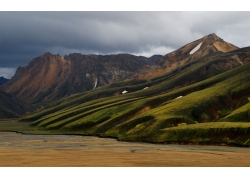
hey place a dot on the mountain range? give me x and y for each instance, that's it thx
(198, 93)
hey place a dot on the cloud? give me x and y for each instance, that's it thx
(26, 35)
(158, 50)
(7, 72)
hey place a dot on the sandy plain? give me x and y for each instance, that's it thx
(18, 150)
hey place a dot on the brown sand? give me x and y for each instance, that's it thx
(25, 157)
(17, 150)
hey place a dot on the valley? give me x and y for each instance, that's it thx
(198, 94)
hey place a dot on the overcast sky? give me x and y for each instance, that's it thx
(26, 35)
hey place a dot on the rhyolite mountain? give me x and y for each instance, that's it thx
(190, 52)
(12, 107)
(51, 77)
(3, 80)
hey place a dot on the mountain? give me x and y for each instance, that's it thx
(204, 101)
(3, 80)
(188, 53)
(51, 77)
(196, 49)
(11, 107)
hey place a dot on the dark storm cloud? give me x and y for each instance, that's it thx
(26, 35)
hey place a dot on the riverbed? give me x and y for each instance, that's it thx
(22, 150)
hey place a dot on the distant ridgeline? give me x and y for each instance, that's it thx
(3, 80)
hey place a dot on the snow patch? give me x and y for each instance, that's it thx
(195, 49)
(124, 92)
(145, 88)
(178, 97)
(95, 83)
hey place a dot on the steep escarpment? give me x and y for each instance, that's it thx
(51, 77)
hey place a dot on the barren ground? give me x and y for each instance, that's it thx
(30, 150)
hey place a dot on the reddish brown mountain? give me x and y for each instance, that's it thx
(190, 52)
(52, 76)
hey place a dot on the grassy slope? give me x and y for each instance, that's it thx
(207, 105)
(214, 133)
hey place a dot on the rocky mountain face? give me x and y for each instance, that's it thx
(52, 76)
(12, 107)
(3, 80)
(188, 53)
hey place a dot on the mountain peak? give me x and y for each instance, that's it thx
(213, 37)
(201, 47)
(47, 54)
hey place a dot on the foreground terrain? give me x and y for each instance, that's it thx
(62, 150)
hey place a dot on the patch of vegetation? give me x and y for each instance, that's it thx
(182, 124)
(215, 132)
(24, 127)
(132, 150)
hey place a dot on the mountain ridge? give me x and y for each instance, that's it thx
(54, 76)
